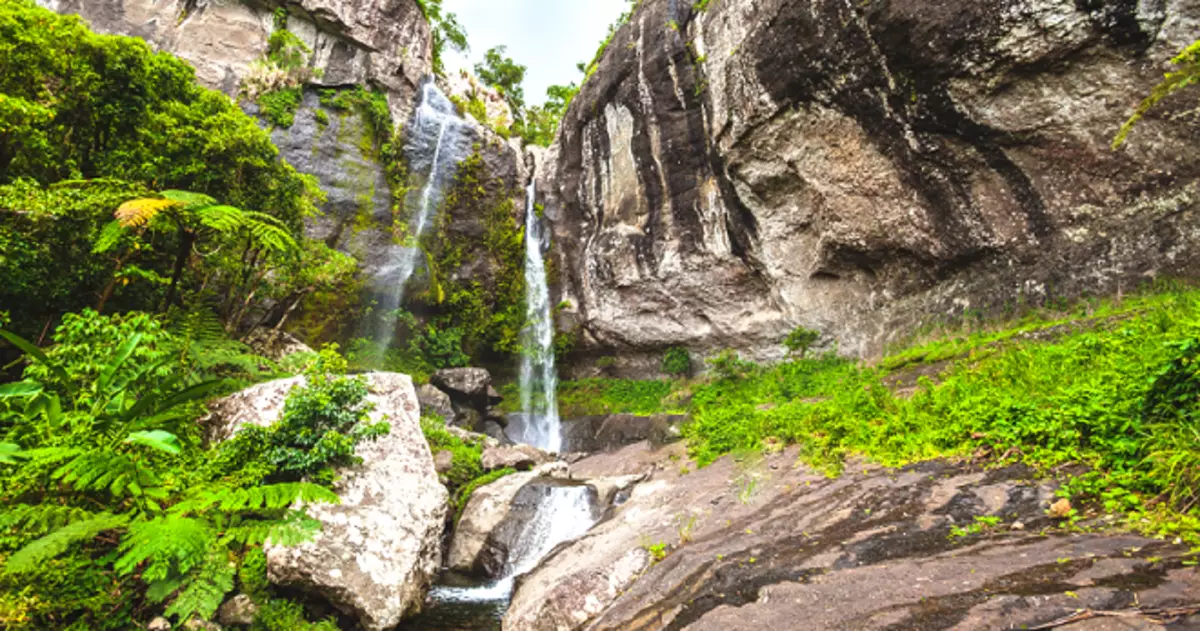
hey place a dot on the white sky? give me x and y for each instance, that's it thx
(548, 36)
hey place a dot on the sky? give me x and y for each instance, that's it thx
(548, 36)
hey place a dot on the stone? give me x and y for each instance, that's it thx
(611, 432)
(201, 625)
(159, 624)
(238, 611)
(770, 164)
(435, 402)
(275, 345)
(443, 461)
(802, 546)
(1061, 509)
(520, 457)
(463, 383)
(380, 548)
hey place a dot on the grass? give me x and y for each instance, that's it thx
(1115, 394)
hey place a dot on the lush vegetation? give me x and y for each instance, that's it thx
(115, 509)
(447, 32)
(1186, 74)
(1110, 386)
(211, 218)
(466, 470)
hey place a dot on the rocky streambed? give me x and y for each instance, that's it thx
(641, 538)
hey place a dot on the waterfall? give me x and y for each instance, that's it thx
(564, 513)
(539, 381)
(436, 135)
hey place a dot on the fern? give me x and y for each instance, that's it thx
(295, 528)
(108, 472)
(205, 589)
(109, 237)
(169, 544)
(32, 556)
(41, 518)
(269, 497)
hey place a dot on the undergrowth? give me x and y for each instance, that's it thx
(1114, 390)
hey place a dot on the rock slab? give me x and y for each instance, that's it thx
(379, 549)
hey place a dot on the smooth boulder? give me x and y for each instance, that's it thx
(379, 549)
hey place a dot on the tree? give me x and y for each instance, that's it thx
(447, 32)
(505, 75)
(196, 218)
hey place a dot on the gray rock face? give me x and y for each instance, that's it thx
(471, 395)
(611, 432)
(380, 547)
(763, 546)
(727, 175)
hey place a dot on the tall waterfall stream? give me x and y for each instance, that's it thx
(563, 512)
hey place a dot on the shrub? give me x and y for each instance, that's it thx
(677, 362)
(728, 364)
(800, 340)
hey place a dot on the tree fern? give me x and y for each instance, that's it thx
(268, 497)
(32, 556)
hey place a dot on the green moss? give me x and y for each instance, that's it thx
(322, 119)
(279, 107)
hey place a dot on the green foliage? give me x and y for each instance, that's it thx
(677, 361)
(1188, 73)
(447, 32)
(590, 68)
(800, 340)
(371, 106)
(505, 75)
(588, 397)
(114, 109)
(109, 489)
(279, 107)
(321, 425)
(729, 365)
(285, 615)
(467, 455)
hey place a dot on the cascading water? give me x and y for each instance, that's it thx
(436, 140)
(561, 512)
(539, 380)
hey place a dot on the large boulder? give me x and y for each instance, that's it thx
(435, 402)
(521, 457)
(864, 169)
(472, 397)
(379, 549)
(763, 544)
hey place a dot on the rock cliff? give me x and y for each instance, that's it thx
(864, 169)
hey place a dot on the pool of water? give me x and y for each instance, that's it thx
(463, 604)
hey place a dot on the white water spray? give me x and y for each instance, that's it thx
(435, 125)
(539, 380)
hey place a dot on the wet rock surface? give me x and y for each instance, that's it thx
(591, 434)
(378, 549)
(762, 544)
(729, 174)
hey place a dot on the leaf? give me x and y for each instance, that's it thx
(36, 353)
(156, 439)
(139, 212)
(19, 389)
(188, 199)
(32, 556)
(10, 452)
(106, 376)
(109, 237)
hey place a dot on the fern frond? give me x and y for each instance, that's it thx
(139, 212)
(109, 237)
(204, 589)
(270, 233)
(170, 544)
(197, 325)
(41, 518)
(258, 498)
(188, 199)
(1187, 74)
(221, 218)
(105, 472)
(295, 528)
(32, 556)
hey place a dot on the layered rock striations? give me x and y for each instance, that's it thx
(864, 169)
